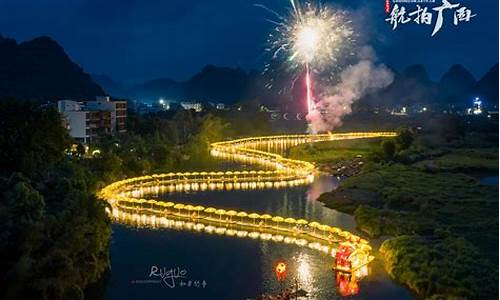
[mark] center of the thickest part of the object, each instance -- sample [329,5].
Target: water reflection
[347,284]
[133,250]
[321,185]
[308,269]
[307,274]
[312,271]
[304,275]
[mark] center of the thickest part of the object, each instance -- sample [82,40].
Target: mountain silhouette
[211,84]
[412,87]
[487,86]
[155,89]
[41,70]
[456,85]
[108,84]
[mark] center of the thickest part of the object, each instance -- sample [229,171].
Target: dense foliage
[444,222]
[440,268]
[166,143]
[55,235]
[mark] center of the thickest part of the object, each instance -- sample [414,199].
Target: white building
[85,120]
[197,106]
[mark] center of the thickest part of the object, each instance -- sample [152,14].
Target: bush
[389,149]
[448,268]
[404,138]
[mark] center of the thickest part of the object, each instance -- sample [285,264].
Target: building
[86,120]
[196,106]
[159,106]
[217,105]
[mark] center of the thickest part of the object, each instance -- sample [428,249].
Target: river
[223,267]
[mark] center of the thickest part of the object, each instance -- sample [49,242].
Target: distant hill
[214,84]
[157,88]
[456,85]
[410,87]
[108,84]
[40,70]
[218,84]
[487,86]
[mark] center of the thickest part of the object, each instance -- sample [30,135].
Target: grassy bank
[463,160]
[333,151]
[442,222]
[445,224]
[440,268]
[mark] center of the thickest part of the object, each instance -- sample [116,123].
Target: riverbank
[444,223]
[344,159]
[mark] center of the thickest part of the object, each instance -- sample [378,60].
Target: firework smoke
[356,81]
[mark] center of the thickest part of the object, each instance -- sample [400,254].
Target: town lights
[128,201]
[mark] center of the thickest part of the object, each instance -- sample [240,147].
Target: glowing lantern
[277,219]
[169,204]
[220,212]
[210,210]
[179,206]
[266,217]
[231,214]
[342,257]
[347,286]
[253,216]
[280,270]
[302,222]
[198,209]
[242,214]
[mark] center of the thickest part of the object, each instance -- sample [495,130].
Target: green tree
[80,150]
[54,232]
[31,137]
[159,155]
[212,129]
[404,138]
[389,149]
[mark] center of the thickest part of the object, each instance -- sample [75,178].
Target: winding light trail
[128,201]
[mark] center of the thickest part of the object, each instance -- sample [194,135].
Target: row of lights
[125,195]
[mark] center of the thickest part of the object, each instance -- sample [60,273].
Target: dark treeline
[169,142]
[55,233]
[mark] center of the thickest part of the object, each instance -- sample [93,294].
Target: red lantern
[342,257]
[347,284]
[280,270]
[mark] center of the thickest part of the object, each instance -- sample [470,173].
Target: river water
[223,267]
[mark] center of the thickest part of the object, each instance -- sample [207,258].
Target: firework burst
[312,38]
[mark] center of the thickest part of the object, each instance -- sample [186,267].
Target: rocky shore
[345,168]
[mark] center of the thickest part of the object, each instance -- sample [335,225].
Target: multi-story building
[86,120]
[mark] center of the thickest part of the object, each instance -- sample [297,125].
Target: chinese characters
[424,16]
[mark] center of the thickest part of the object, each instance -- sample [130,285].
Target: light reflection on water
[235,268]
[310,270]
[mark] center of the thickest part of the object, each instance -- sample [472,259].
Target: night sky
[134,41]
